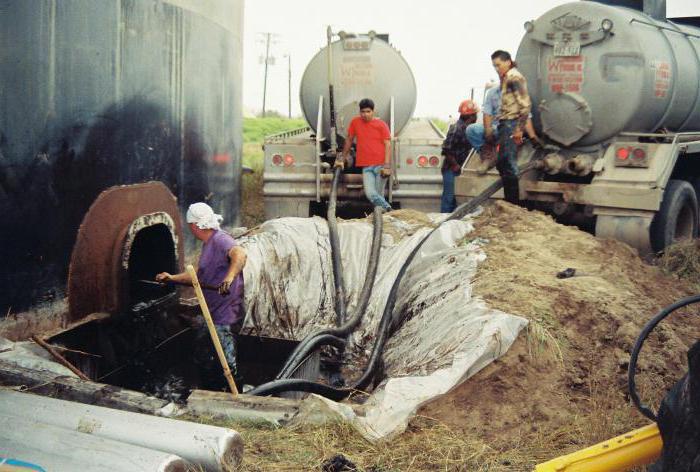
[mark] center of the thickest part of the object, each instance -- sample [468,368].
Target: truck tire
[678,216]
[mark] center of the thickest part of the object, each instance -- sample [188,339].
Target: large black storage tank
[97,93]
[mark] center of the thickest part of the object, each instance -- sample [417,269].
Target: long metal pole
[331,99]
[289,84]
[212,329]
[267,60]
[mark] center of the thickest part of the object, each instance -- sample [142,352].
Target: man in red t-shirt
[373,152]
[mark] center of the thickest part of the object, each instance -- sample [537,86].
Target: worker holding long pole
[220,264]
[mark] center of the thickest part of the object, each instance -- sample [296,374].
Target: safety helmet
[468,107]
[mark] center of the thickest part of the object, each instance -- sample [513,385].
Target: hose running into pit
[335,252]
[648,328]
[313,340]
[386,322]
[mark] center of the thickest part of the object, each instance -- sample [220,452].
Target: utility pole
[289,84]
[267,61]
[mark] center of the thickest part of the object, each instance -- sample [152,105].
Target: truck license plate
[567,49]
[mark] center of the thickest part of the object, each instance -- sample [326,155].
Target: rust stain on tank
[96,278]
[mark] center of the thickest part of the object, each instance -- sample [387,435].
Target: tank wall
[643,77]
[378,73]
[99,93]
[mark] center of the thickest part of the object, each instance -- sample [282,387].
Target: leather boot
[488,158]
[511,189]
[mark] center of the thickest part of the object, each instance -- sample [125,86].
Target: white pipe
[60,450]
[209,446]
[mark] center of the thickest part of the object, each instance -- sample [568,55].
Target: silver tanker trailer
[298,171]
[616,94]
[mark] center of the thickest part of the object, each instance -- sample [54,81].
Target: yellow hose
[639,447]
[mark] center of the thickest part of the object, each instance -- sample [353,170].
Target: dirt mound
[563,383]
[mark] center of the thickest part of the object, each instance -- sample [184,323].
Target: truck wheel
[677,218]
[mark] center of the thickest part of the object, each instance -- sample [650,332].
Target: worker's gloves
[225,286]
[339,164]
[386,172]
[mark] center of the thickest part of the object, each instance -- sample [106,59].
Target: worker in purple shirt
[221,265]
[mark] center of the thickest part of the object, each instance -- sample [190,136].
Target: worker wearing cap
[512,120]
[220,265]
[455,149]
[373,152]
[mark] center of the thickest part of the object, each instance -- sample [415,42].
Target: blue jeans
[373,184]
[507,163]
[477,136]
[448,202]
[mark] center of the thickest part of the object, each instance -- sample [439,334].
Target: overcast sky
[447,43]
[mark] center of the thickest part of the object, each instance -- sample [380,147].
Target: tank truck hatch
[566,118]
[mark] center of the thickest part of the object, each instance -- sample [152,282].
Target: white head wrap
[203,216]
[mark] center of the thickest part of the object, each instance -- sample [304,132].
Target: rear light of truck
[422,161]
[434,161]
[409,161]
[622,153]
[277,160]
[632,156]
[288,160]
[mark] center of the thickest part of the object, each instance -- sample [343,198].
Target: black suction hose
[301,385]
[648,328]
[309,343]
[335,254]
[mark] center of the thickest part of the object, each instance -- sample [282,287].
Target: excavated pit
[156,351]
[153,341]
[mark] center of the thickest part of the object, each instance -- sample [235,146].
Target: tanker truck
[298,164]
[616,95]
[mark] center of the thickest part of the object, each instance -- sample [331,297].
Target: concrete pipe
[60,450]
[211,447]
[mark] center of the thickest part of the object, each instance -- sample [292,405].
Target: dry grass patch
[682,260]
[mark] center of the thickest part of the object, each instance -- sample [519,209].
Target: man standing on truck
[512,120]
[221,265]
[455,149]
[373,152]
[483,137]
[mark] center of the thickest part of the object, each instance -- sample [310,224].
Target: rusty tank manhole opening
[152,251]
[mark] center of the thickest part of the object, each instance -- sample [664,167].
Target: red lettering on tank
[662,78]
[565,74]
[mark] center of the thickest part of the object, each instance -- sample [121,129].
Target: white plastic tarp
[447,337]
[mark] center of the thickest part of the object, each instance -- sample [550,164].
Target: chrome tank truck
[297,163]
[615,87]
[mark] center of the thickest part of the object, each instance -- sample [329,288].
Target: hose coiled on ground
[648,328]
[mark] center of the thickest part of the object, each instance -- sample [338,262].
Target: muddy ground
[565,379]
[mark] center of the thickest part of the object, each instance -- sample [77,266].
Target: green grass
[255,129]
[441,124]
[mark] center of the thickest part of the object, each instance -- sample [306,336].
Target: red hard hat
[468,107]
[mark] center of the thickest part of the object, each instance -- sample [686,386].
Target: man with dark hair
[512,119]
[373,152]
[455,148]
